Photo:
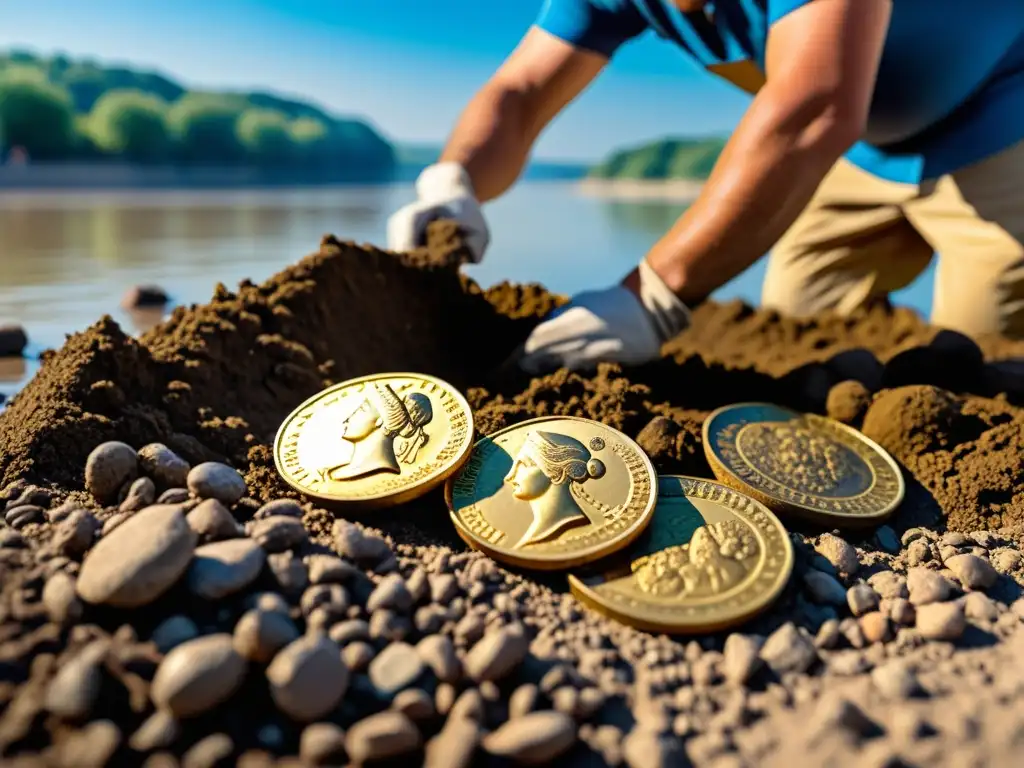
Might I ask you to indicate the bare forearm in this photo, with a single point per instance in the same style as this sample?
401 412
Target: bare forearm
492 140
766 175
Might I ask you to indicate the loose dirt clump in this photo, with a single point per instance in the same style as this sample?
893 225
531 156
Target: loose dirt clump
242 624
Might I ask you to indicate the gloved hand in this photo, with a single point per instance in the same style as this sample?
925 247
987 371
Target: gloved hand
443 191
610 325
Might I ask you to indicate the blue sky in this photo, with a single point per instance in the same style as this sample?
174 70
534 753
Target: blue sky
407 65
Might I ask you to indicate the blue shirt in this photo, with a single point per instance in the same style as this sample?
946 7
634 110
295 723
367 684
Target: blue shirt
950 87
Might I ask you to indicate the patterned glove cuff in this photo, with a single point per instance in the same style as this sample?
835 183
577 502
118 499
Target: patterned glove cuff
443 180
669 315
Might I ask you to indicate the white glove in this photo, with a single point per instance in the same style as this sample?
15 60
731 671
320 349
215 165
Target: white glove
443 191
611 325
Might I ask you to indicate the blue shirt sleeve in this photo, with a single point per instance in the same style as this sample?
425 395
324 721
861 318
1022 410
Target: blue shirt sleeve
600 26
779 8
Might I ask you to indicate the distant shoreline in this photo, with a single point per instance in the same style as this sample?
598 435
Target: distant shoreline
668 190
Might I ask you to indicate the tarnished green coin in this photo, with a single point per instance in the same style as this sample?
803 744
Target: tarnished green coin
803 464
711 558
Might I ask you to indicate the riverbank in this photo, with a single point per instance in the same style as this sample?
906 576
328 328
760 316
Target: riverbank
660 190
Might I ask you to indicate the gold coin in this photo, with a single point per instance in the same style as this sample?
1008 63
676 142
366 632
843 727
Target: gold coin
553 493
375 441
802 464
711 558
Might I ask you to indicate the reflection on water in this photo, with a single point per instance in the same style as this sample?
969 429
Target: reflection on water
68 257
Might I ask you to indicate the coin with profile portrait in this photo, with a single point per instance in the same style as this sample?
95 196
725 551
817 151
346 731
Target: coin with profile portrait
553 493
375 441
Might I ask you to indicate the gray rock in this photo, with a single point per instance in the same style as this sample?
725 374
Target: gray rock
280 508
278 534
224 568
141 493
198 675
788 650
927 586
418 585
741 657
328 569
213 480
396 667
382 736
438 653
108 468
955 539
358 655
73 691
980 607
173 631
887 540
443 588
941 621
330 597
162 464
828 634
824 588
24 514
350 631
902 612
13 340
174 496
497 654
76 534
139 560
322 744
889 584
895 680
307 678
838 552
259 634
861 599
359 546
289 572
159 731
1006 560
391 593
918 553
414 703
533 739
972 571
60 600
212 521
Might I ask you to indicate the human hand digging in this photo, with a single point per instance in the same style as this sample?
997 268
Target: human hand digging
626 323
443 191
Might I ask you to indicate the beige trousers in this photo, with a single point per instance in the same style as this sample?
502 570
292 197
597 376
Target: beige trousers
861 237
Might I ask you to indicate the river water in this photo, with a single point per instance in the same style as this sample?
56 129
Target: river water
68 257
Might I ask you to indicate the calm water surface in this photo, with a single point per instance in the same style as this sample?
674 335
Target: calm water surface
68 257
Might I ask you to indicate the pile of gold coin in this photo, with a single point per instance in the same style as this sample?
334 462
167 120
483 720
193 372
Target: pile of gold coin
662 553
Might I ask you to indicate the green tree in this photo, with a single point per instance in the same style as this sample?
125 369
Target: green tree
265 135
309 140
131 124
204 127
36 115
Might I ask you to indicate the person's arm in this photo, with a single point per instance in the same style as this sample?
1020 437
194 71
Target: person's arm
496 131
821 64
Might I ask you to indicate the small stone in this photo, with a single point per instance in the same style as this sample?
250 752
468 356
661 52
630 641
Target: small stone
198 675
108 468
382 736
980 607
212 521
331 598
741 658
94 744
172 632
391 593
902 612
277 534
213 480
73 691
396 667
174 496
972 571
497 654
414 703
289 572
887 540
224 568
941 621
208 752
823 588
837 714
954 539
469 705
533 739
927 586
349 631
848 663
918 553
851 630
328 569
141 494
280 508
895 680
159 731
828 635
650 748
443 588
838 552
454 746
59 598
418 586
322 744
13 340
24 514
76 534
387 625
522 701
358 546
162 464
260 634
862 599
1006 560
307 678
138 561
788 650
358 655
875 626
438 653
889 584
